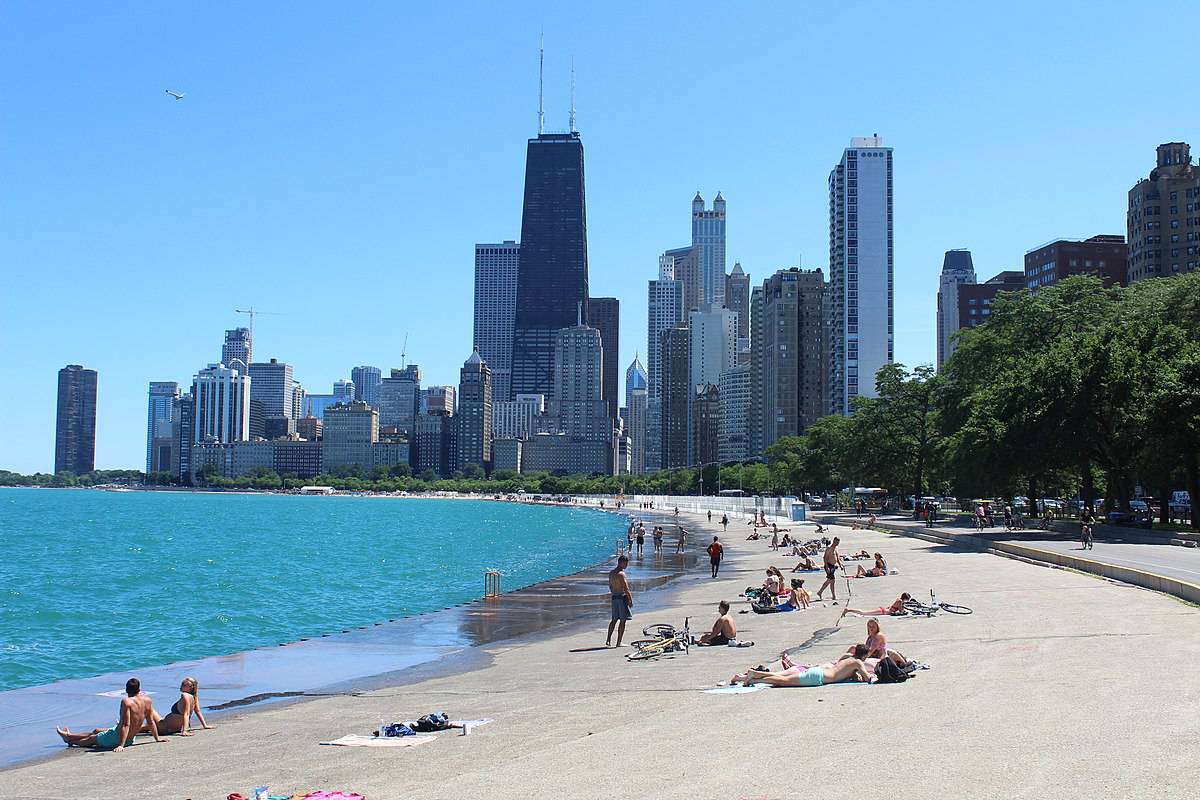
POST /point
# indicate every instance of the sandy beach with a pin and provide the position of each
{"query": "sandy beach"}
(1059, 685)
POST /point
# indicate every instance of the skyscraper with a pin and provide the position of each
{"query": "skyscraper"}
(957, 269)
(708, 237)
(343, 391)
(441, 399)
(1163, 220)
(604, 314)
(635, 409)
(475, 414)
(737, 299)
(162, 414)
(665, 310)
(271, 386)
(790, 357)
(398, 398)
(495, 307)
(712, 349)
(237, 346)
(860, 270)
(552, 276)
(578, 384)
(75, 437)
(347, 436)
(366, 384)
(222, 405)
(676, 393)
(734, 399)
(685, 267)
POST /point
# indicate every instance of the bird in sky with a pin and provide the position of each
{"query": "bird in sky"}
(176, 95)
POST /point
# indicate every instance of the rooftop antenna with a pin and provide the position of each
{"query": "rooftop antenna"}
(541, 71)
(404, 351)
(572, 94)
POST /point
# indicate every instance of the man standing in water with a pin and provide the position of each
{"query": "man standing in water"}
(833, 561)
(622, 600)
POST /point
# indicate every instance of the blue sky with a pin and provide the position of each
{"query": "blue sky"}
(337, 163)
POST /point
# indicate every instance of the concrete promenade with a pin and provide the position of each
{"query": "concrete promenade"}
(1121, 548)
(1059, 685)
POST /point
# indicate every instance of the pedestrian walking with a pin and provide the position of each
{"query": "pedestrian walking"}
(715, 552)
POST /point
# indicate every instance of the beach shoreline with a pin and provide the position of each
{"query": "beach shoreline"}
(450, 640)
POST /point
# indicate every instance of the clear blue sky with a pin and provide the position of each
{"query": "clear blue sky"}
(338, 163)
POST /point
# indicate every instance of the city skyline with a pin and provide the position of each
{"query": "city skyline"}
(136, 236)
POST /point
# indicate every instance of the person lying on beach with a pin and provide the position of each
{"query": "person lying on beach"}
(723, 630)
(877, 571)
(821, 528)
(852, 669)
(177, 719)
(896, 608)
(806, 565)
(135, 708)
(861, 554)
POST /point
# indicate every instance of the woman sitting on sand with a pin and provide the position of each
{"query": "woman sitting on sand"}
(177, 719)
(877, 571)
(774, 582)
(896, 608)
(877, 646)
(806, 565)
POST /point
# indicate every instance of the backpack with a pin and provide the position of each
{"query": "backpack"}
(886, 671)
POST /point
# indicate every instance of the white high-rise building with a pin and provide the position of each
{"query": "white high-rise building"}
(238, 346)
(860, 270)
(222, 397)
(163, 410)
(495, 309)
(513, 419)
(664, 311)
(712, 349)
(271, 387)
(733, 437)
(578, 383)
(957, 269)
(708, 235)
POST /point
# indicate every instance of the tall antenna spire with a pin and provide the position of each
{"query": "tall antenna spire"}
(541, 71)
(572, 128)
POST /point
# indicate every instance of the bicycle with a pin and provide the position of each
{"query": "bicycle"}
(915, 606)
(667, 639)
(1086, 538)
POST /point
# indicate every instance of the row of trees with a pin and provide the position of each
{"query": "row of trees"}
(1071, 389)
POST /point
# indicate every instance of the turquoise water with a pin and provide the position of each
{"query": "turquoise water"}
(94, 581)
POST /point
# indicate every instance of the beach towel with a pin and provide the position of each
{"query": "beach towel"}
(474, 723)
(357, 740)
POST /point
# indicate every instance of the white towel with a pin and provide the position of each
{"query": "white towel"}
(736, 689)
(358, 740)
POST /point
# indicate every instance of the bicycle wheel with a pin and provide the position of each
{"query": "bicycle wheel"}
(641, 643)
(644, 654)
(661, 631)
(951, 608)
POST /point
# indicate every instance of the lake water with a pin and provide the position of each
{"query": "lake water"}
(94, 581)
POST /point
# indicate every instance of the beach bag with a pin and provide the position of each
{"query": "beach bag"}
(886, 671)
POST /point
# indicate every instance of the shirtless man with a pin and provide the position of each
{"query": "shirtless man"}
(136, 710)
(723, 630)
(622, 600)
(832, 562)
(852, 669)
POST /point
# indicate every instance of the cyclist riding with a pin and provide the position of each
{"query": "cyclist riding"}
(1087, 518)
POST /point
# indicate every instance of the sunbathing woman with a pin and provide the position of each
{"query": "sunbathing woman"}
(797, 598)
(897, 607)
(176, 721)
(774, 582)
(877, 571)
(876, 645)
(806, 565)
(852, 669)
(861, 554)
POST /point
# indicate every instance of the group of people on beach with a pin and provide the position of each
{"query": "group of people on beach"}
(138, 715)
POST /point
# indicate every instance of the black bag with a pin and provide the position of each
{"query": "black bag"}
(886, 671)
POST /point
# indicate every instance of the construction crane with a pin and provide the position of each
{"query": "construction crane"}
(252, 311)
(404, 351)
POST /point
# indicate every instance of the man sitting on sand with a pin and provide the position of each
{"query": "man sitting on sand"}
(136, 710)
(723, 630)
(852, 669)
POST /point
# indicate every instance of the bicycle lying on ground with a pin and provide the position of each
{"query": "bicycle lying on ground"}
(665, 639)
(921, 609)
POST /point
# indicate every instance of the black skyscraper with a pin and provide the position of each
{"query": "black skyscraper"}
(604, 314)
(75, 440)
(552, 277)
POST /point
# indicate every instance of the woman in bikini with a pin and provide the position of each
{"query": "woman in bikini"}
(877, 571)
(897, 607)
(176, 721)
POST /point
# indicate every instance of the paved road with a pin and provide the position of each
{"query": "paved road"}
(1180, 563)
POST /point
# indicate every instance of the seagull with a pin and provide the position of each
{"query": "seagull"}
(176, 95)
